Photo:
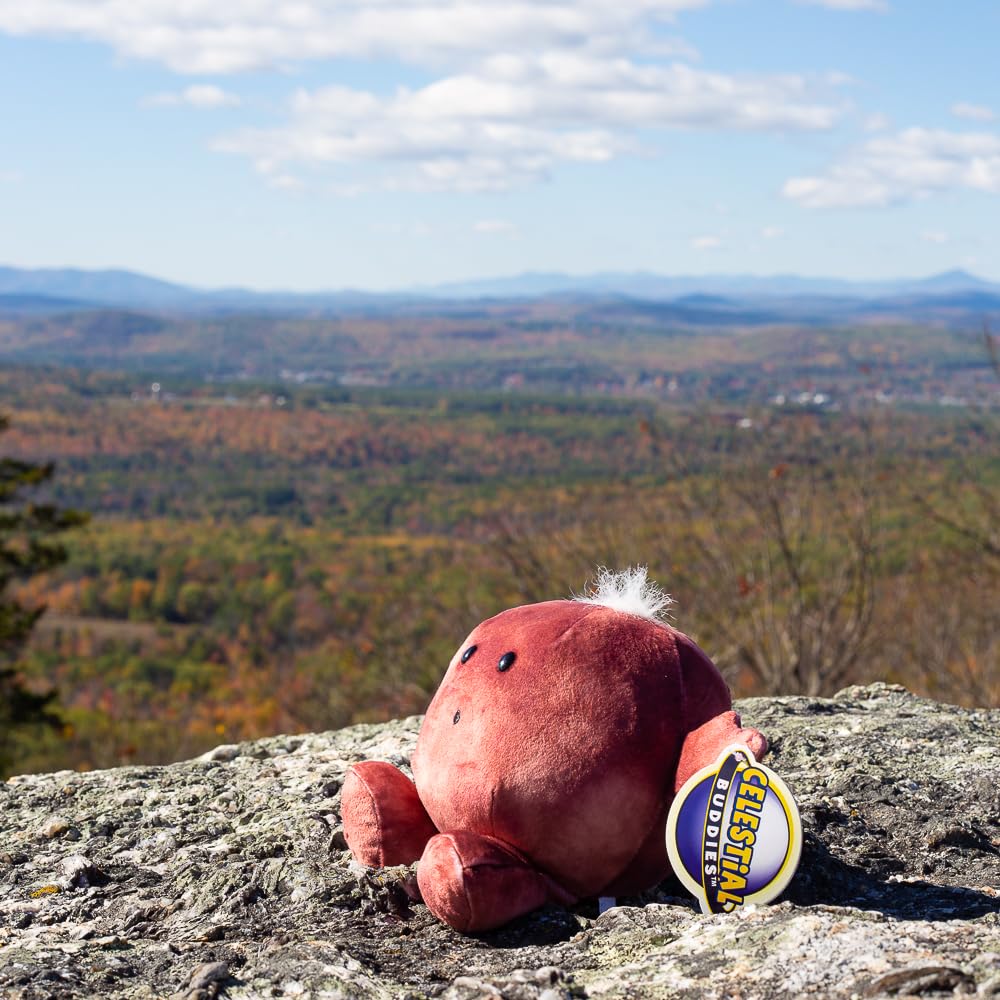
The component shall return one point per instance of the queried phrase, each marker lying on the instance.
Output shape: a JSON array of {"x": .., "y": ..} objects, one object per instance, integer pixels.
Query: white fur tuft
[{"x": 629, "y": 591}]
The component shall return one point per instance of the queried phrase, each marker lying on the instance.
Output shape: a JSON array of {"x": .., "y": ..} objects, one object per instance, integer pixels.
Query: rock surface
[{"x": 228, "y": 876}]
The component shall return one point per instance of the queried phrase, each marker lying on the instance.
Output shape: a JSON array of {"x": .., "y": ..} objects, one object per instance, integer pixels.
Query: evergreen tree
[{"x": 29, "y": 544}]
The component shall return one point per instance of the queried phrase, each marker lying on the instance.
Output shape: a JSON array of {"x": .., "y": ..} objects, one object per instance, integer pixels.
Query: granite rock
[{"x": 227, "y": 876}]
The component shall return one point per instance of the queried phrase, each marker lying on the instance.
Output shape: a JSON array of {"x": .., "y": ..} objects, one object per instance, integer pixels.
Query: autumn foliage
[{"x": 271, "y": 559}]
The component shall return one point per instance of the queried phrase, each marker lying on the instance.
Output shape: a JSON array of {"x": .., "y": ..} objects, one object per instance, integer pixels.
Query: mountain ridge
[{"x": 125, "y": 288}]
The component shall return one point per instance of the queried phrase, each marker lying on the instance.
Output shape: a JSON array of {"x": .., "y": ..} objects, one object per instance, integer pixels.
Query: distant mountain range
[
  {"x": 657, "y": 287},
  {"x": 57, "y": 290},
  {"x": 28, "y": 290}
]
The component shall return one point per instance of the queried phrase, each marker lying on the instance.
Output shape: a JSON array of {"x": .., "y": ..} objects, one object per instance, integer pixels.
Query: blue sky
[{"x": 324, "y": 144}]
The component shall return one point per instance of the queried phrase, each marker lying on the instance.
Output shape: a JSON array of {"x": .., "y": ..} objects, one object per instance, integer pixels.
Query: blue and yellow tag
[{"x": 734, "y": 835}]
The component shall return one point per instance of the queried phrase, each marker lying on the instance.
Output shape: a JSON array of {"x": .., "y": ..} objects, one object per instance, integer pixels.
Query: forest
[
  {"x": 268, "y": 553},
  {"x": 695, "y": 351}
]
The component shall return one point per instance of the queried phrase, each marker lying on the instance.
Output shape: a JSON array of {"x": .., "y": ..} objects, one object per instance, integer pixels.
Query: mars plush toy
[{"x": 548, "y": 758}]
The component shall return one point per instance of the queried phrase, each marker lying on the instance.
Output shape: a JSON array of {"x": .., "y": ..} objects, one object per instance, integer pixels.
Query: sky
[{"x": 385, "y": 144}]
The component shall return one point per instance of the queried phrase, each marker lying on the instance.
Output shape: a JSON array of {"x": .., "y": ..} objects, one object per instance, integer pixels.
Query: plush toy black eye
[
  {"x": 468, "y": 653},
  {"x": 456, "y": 717},
  {"x": 506, "y": 661}
]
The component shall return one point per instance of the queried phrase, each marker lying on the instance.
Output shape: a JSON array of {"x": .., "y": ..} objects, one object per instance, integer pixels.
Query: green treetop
[{"x": 29, "y": 544}]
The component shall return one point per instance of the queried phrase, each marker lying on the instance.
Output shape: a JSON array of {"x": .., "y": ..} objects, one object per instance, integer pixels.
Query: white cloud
[
  {"x": 446, "y": 153},
  {"x": 521, "y": 85},
  {"x": 286, "y": 182},
  {"x": 706, "y": 243},
  {"x": 227, "y": 36},
  {"x": 974, "y": 112},
  {"x": 495, "y": 227},
  {"x": 198, "y": 95},
  {"x": 515, "y": 117},
  {"x": 671, "y": 48},
  {"x": 912, "y": 164},
  {"x": 879, "y": 5},
  {"x": 933, "y": 236},
  {"x": 772, "y": 232},
  {"x": 877, "y": 123},
  {"x": 418, "y": 229}
]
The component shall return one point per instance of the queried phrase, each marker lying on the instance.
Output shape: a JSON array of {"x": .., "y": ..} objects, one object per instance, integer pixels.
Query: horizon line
[{"x": 431, "y": 286}]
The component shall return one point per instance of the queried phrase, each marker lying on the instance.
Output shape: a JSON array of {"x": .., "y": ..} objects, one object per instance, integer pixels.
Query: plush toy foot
[
  {"x": 703, "y": 745},
  {"x": 385, "y": 822},
  {"x": 475, "y": 883}
]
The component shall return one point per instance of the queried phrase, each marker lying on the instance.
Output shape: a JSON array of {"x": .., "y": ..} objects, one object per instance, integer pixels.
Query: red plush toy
[{"x": 548, "y": 758}]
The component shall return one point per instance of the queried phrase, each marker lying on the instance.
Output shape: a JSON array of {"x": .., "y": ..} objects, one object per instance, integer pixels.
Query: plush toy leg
[
  {"x": 475, "y": 883},
  {"x": 385, "y": 822},
  {"x": 704, "y": 744}
]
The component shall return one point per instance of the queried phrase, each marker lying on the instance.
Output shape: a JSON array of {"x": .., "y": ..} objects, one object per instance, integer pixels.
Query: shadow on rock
[
  {"x": 823, "y": 879},
  {"x": 548, "y": 926}
]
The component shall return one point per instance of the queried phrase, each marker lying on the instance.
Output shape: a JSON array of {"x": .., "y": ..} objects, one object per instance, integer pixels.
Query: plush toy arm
[
  {"x": 703, "y": 745},
  {"x": 475, "y": 883},
  {"x": 385, "y": 822}
]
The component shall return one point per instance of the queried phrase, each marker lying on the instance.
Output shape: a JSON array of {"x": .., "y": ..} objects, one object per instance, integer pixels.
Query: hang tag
[{"x": 734, "y": 835}]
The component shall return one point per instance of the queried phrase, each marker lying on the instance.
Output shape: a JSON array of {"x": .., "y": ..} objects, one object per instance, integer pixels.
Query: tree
[
  {"x": 770, "y": 544},
  {"x": 782, "y": 548},
  {"x": 958, "y": 645},
  {"x": 980, "y": 523},
  {"x": 29, "y": 544}
]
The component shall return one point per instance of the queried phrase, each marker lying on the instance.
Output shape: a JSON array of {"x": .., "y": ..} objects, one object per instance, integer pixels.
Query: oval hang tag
[{"x": 733, "y": 833}]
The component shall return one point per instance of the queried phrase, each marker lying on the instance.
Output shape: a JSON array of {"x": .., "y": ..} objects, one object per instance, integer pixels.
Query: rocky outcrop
[{"x": 228, "y": 876}]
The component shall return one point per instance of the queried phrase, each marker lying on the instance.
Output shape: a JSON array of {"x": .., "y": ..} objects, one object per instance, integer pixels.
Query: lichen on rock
[{"x": 228, "y": 876}]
